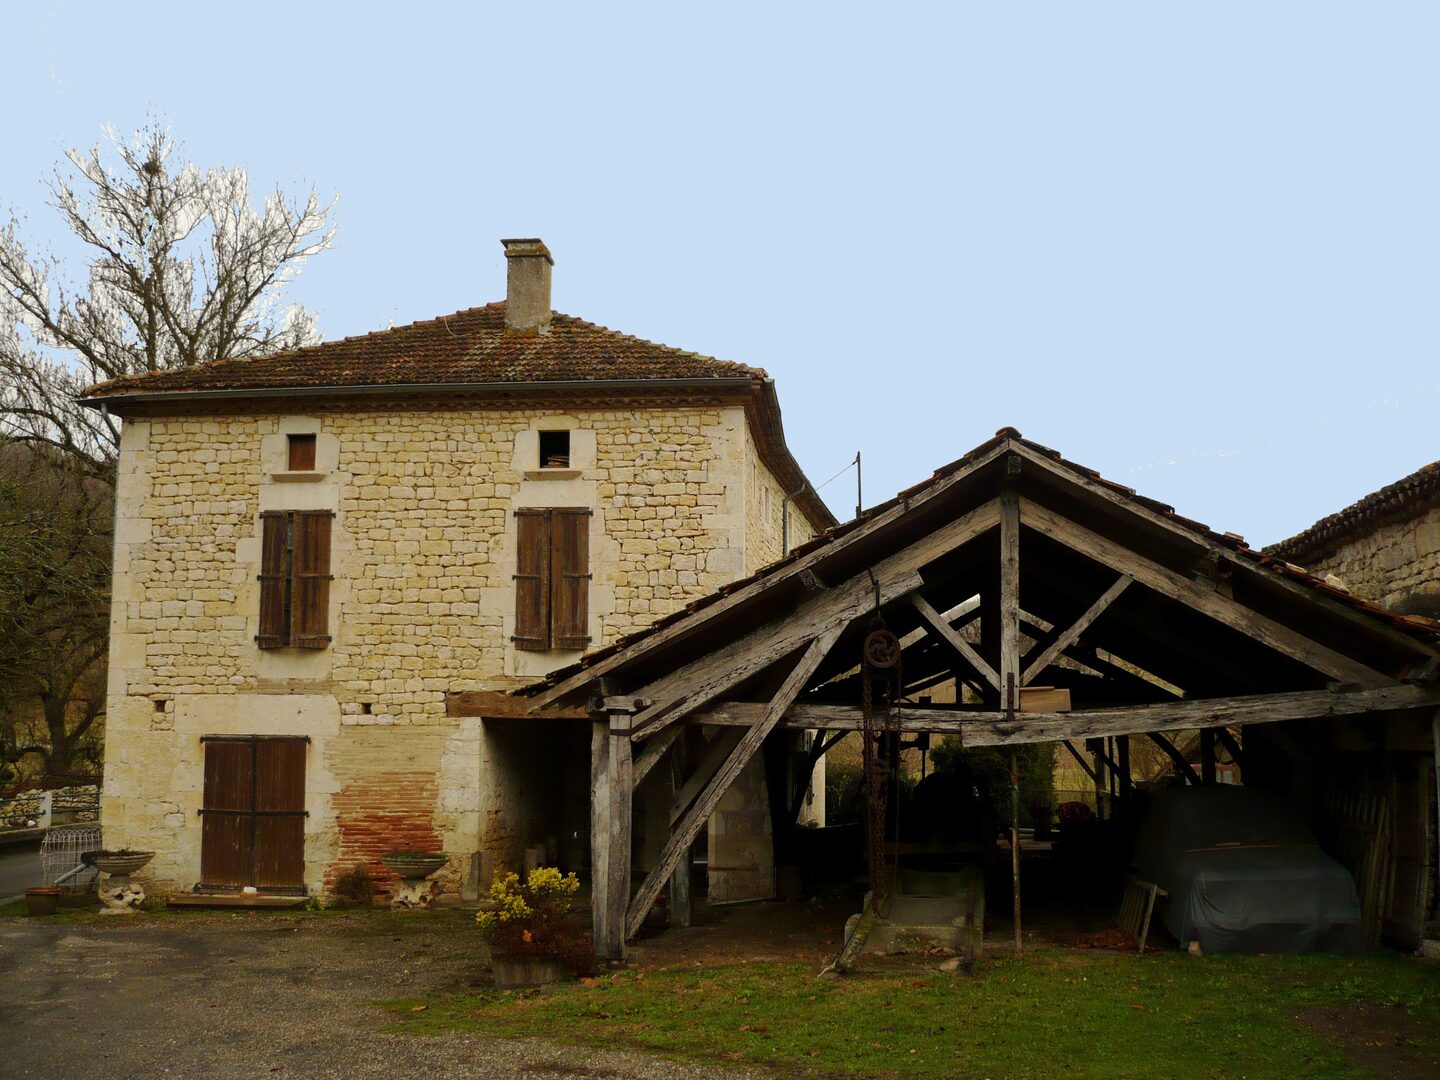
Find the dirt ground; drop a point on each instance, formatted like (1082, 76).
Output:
(219, 995)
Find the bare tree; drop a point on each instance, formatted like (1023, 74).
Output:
(55, 522)
(181, 270)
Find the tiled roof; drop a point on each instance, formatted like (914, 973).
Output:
(1417, 625)
(470, 346)
(1406, 496)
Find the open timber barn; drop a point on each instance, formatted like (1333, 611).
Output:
(1008, 571)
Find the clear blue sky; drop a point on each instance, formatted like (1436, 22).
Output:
(1192, 246)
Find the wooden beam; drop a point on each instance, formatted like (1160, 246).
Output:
(1202, 598)
(1010, 681)
(952, 637)
(1175, 756)
(711, 674)
(689, 826)
(1207, 755)
(652, 752)
(611, 801)
(980, 727)
(813, 561)
(1079, 626)
(1303, 593)
(708, 676)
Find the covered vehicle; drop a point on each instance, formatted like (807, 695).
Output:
(1244, 873)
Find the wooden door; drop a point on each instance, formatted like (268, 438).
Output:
(253, 830)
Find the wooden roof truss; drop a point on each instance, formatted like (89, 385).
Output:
(1155, 626)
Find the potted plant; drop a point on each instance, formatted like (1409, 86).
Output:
(533, 939)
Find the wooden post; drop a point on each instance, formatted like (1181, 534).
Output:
(1015, 839)
(1010, 673)
(680, 880)
(611, 801)
(1435, 736)
(1122, 758)
(1207, 755)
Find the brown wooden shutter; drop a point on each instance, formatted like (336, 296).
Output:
(310, 575)
(227, 838)
(532, 580)
(274, 579)
(570, 579)
(279, 823)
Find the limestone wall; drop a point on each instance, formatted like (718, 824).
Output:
(1391, 565)
(423, 555)
(765, 514)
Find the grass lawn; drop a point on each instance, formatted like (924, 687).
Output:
(1049, 1013)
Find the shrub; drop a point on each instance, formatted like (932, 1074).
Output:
(533, 919)
(356, 885)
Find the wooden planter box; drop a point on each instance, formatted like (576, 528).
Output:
(513, 973)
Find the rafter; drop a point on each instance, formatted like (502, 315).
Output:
(813, 561)
(707, 677)
(1202, 598)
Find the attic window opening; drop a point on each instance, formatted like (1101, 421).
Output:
(554, 449)
(302, 453)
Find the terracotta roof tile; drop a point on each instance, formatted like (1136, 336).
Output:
(470, 346)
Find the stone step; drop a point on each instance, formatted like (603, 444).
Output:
(235, 900)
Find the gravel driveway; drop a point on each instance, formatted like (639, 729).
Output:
(219, 995)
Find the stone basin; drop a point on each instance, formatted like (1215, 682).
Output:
(414, 864)
(120, 863)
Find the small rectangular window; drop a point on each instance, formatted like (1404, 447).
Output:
(302, 453)
(554, 449)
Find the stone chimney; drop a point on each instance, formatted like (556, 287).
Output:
(527, 286)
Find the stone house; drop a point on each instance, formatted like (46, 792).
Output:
(330, 564)
(1385, 548)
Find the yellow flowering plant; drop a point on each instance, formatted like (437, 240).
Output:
(532, 918)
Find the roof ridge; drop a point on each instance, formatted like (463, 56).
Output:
(1335, 527)
(602, 328)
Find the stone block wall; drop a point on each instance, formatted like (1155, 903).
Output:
(423, 555)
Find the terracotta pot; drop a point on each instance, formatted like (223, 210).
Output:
(514, 972)
(42, 900)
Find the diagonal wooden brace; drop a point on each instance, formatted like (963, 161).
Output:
(689, 826)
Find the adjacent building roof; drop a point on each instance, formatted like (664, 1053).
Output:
(471, 354)
(1417, 492)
